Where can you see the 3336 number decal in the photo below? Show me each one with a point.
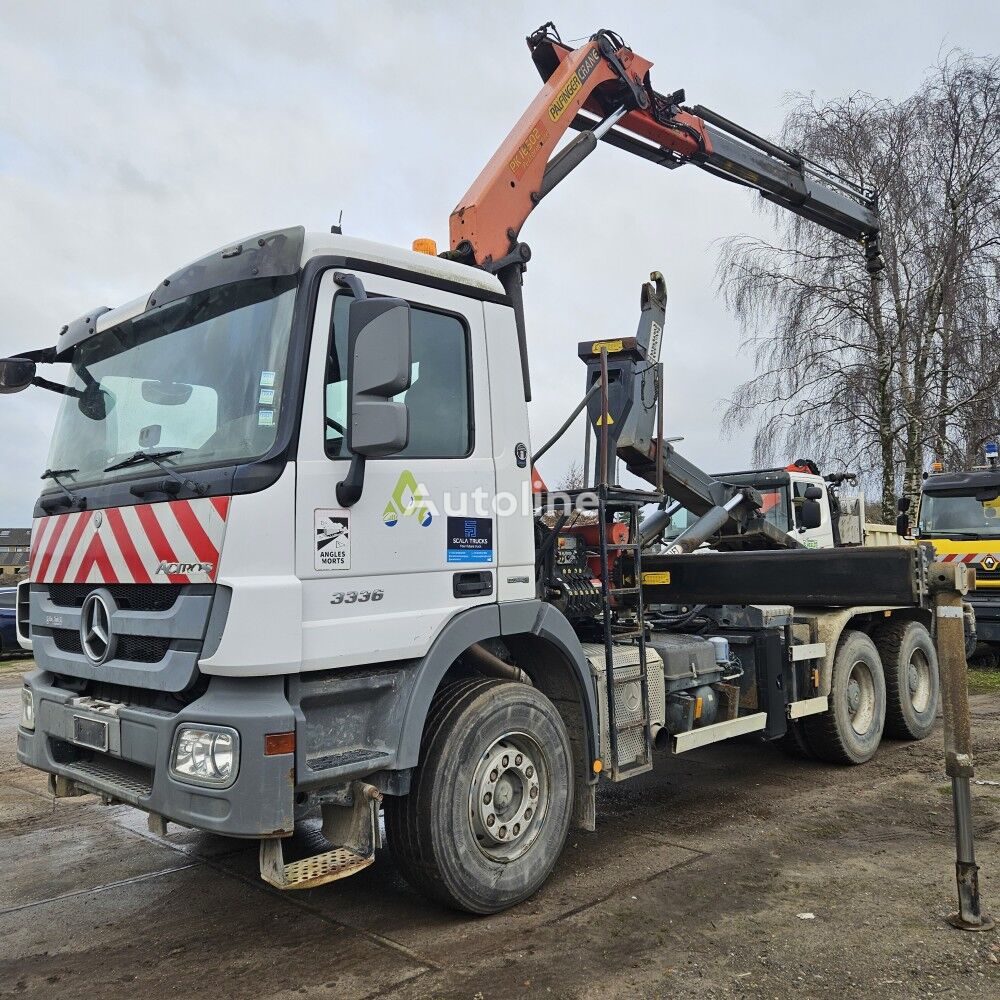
(356, 596)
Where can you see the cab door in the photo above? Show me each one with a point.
(820, 537)
(381, 578)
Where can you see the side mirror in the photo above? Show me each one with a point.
(813, 492)
(378, 368)
(903, 522)
(903, 504)
(810, 513)
(15, 374)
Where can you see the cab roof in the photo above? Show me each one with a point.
(959, 483)
(279, 253)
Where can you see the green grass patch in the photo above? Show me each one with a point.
(984, 681)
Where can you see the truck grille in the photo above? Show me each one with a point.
(159, 630)
(129, 596)
(134, 648)
(23, 610)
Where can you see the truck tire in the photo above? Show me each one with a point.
(850, 730)
(912, 681)
(490, 801)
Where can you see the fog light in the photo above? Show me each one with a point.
(203, 756)
(27, 709)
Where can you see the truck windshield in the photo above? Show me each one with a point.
(958, 517)
(201, 378)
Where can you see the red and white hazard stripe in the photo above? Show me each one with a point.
(175, 542)
(968, 557)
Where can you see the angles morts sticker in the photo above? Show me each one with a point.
(470, 540)
(332, 538)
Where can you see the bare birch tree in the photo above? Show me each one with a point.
(881, 375)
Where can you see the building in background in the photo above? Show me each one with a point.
(14, 546)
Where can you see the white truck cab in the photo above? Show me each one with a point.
(812, 508)
(794, 501)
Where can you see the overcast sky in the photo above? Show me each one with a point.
(136, 137)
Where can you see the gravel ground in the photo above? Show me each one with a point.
(730, 872)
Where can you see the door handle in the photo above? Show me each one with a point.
(478, 584)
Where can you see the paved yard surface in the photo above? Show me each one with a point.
(695, 884)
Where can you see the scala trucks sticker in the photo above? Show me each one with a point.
(470, 540)
(409, 499)
(332, 538)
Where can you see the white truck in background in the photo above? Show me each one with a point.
(811, 507)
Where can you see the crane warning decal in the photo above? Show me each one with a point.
(332, 538)
(565, 97)
(527, 151)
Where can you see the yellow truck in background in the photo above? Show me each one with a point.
(959, 513)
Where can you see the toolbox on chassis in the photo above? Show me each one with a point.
(287, 566)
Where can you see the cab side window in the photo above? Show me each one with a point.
(439, 399)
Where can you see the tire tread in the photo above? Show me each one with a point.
(889, 641)
(822, 733)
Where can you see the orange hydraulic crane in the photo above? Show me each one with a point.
(602, 89)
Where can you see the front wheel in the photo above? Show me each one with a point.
(490, 802)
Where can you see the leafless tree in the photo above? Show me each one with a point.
(882, 375)
(573, 477)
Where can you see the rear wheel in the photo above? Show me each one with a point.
(911, 679)
(491, 799)
(850, 730)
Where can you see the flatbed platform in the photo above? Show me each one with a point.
(884, 575)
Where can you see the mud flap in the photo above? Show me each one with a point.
(352, 827)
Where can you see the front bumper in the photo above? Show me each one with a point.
(135, 768)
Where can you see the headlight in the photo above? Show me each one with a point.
(27, 709)
(203, 756)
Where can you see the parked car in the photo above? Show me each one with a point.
(8, 629)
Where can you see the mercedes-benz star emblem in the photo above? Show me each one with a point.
(95, 629)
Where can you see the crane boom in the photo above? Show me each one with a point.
(602, 90)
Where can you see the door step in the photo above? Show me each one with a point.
(307, 873)
(344, 846)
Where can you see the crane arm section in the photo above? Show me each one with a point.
(602, 89)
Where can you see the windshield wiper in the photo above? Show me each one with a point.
(70, 500)
(172, 485)
(141, 457)
(945, 534)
